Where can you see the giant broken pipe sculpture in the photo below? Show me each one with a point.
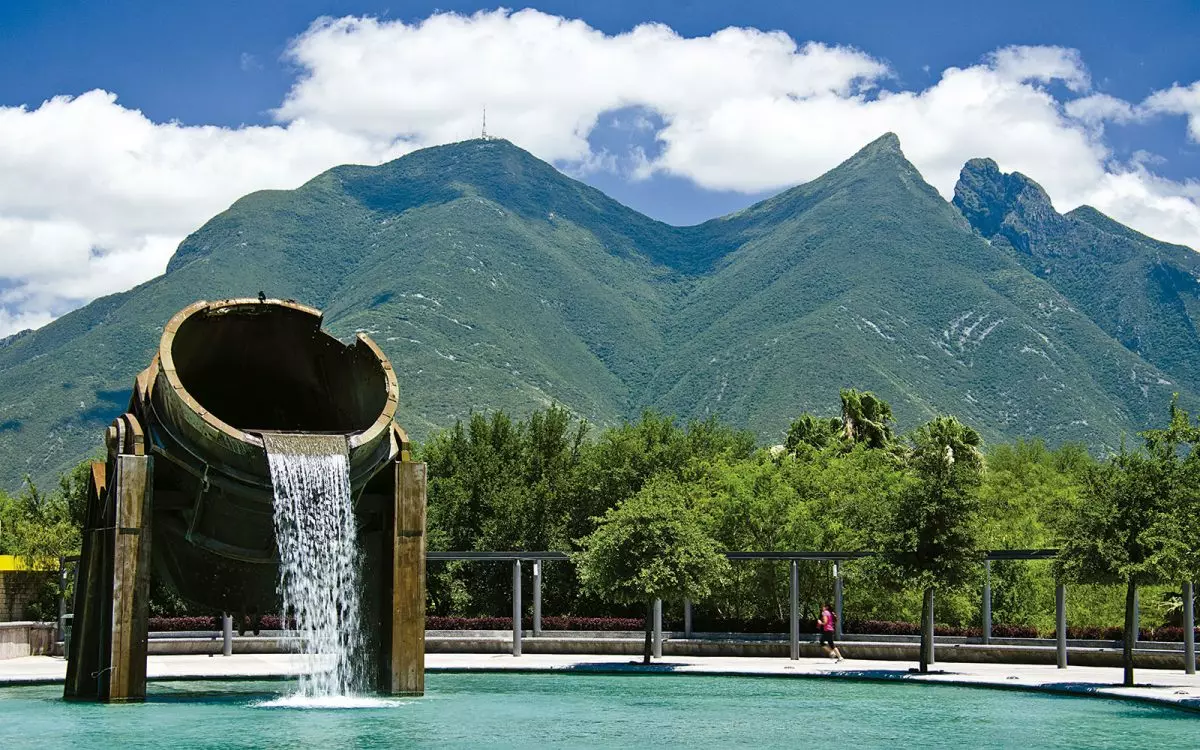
(186, 489)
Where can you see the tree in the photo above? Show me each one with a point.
(499, 484)
(866, 418)
(1131, 524)
(815, 432)
(651, 546)
(929, 536)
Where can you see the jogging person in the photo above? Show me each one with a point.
(826, 623)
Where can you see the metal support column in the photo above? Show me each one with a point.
(987, 601)
(1189, 630)
(687, 618)
(62, 603)
(658, 639)
(226, 634)
(516, 642)
(931, 631)
(1060, 611)
(1137, 614)
(795, 633)
(537, 598)
(837, 602)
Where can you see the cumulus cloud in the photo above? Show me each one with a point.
(738, 110)
(94, 196)
(1178, 100)
(1100, 108)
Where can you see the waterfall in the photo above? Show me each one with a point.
(318, 558)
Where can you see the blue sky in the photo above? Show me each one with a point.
(229, 65)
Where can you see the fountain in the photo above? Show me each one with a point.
(258, 468)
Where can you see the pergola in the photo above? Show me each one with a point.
(537, 558)
(794, 558)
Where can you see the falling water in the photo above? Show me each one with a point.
(318, 558)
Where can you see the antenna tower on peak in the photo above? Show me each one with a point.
(484, 131)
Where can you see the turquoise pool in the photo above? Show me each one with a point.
(592, 710)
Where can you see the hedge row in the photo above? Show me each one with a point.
(858, 627)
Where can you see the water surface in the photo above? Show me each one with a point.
(610, 711)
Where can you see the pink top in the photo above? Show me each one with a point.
(827, 619)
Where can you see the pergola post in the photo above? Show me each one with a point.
(1137, 614)
(1060, 607)
(658, 639)
(516, 612)
(837, 601)
(929, 630)
(1189, 630)
(795, 612)
(537, 598)
(687, 618)
(62, 603)
(987, 602)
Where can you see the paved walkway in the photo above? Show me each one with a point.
(1160, 686)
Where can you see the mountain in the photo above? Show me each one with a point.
(493, 281)
(1142, 292)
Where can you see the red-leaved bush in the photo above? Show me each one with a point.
(551, 622)
(609, 624)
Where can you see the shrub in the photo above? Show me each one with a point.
(548, 623)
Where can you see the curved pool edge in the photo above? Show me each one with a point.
(1156, 687)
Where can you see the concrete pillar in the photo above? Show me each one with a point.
(687, 618)
(537, 598)
(1189, 630)
(795, 612)
(226, 634)
(658, 639)
(516, 613)
(837, 602)
(930, 631)
(1060, 611)
(987, 601)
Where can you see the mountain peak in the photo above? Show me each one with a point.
(889, 141)
(998, 203)
(885, 147)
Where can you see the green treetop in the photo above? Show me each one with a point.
(651, 546)
(929, 538)
(1135, 524)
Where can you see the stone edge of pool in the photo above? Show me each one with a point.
(1156, 687)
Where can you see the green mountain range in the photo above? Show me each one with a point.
(494, 281)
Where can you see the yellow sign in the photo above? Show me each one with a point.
(12, 562)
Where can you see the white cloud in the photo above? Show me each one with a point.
(1178, 100)
(94, 196)
(1041, 64)
(741, 109)
(1099, 108)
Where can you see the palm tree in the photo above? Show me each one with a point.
(866, 418)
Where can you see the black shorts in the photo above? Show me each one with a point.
(827, 638)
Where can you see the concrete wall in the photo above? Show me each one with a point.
(25, 639)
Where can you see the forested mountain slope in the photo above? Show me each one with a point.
(494, 281)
